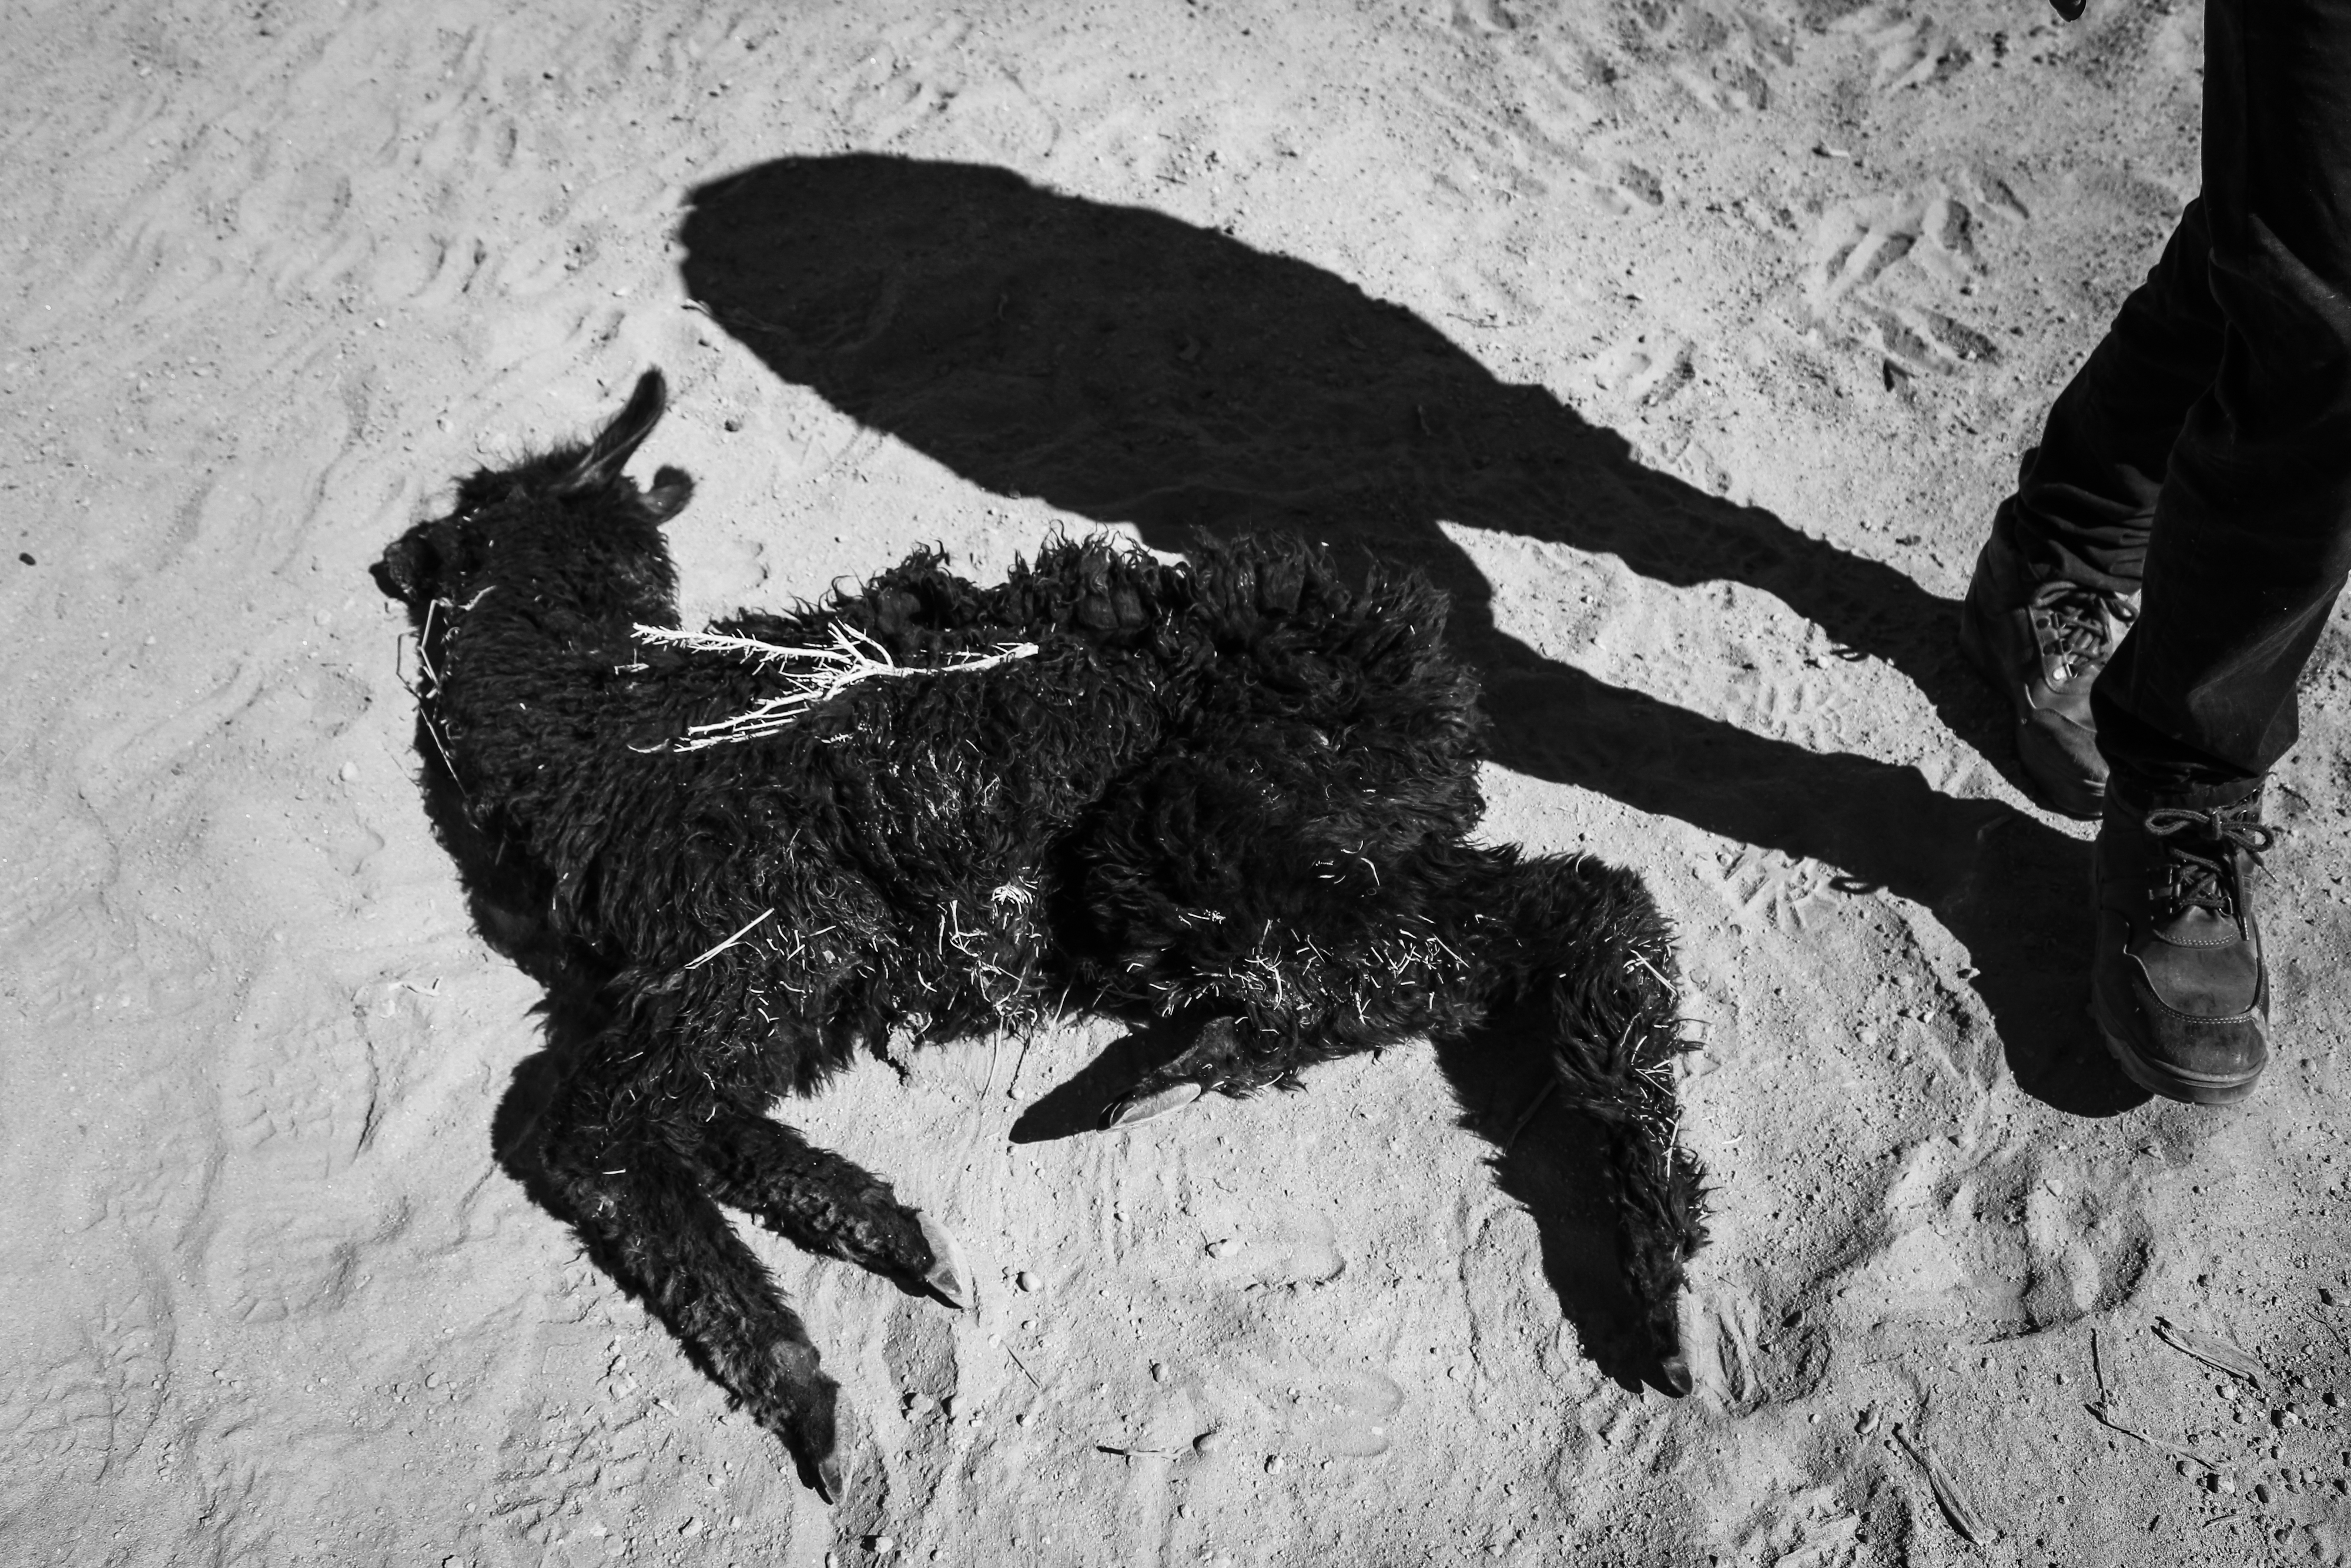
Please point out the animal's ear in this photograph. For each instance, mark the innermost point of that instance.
(618, 442)
(673, 488)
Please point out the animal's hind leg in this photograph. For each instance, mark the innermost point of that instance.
(824, 1203)
(1594, 958)
(650, 1226)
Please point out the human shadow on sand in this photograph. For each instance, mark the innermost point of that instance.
(1131, 368)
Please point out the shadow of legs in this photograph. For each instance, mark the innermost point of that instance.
(2014, 891)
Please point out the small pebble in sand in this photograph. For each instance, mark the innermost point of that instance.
(2331, 1399)
(1207, 1445)
(2262, 1491)
(1158, 1372)
(1273, 1464)
(1868, 1422)
(917, 1403)
(883, 1545)
(2325, 1297)
(350, 772)
(1025, 1279)
(1218, 1248)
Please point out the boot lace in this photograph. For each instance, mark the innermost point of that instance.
(2209, 881)
(2075, 617)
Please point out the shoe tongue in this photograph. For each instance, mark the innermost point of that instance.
(2079, 626)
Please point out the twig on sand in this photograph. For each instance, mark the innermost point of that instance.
(1954, 1502)
(1012, 1085)
(1024, 1369)
(2209, 1349)
(1138, 1453)
(2098, 1366)
(2104, 1415)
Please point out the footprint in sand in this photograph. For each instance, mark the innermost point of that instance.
(1903, 50)
(1880, 269)
(1761, 885)
(1999, 1243)
(1731, 1339)
(918, 1348)
(1282, 1250)
(1346, 1412)
(1647, 372)
(1723, 57)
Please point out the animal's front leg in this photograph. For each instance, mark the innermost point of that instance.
(649, 1225)
(816, 1198)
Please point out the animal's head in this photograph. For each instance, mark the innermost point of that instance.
(567, 526)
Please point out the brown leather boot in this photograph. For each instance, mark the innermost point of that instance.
(2177, 983)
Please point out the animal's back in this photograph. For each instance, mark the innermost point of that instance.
(1258, 643)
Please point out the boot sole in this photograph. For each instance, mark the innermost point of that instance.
(2173, 1082)
(2082, 798)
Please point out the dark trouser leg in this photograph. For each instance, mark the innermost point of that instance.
(2252, 534)
(2248, 548)
(2086, 495)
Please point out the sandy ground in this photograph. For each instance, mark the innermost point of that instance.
(1690, 344)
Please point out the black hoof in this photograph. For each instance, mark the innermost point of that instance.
(1144, 1107)
(1673, 1376)
(947, 1279)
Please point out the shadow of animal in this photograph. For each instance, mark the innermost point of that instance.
(1230, 798)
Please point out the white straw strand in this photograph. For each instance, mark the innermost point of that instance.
(815, 675)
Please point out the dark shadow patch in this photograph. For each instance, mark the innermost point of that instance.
(1549, 1158)
(1074, 1107)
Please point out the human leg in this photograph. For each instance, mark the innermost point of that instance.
(2056, 584)
(2249, 546)
(2251, 537)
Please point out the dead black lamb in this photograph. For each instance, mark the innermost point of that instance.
(1235, 793)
